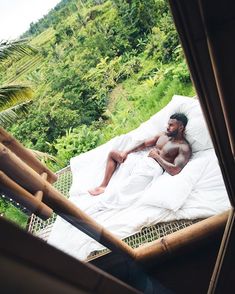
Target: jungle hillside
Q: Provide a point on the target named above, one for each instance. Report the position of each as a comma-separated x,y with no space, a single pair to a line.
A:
98,69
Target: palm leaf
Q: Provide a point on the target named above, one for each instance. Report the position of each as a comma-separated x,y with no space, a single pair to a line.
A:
43,156
9,115
13,94
6,117
14,98
15,49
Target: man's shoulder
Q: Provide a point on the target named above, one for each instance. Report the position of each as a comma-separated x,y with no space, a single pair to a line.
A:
162,134
185,146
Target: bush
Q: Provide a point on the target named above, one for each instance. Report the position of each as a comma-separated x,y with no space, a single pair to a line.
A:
76,141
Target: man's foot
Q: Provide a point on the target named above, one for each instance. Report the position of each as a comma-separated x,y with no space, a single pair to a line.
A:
97,191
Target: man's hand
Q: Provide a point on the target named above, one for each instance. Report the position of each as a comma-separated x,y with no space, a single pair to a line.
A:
121,156
154,153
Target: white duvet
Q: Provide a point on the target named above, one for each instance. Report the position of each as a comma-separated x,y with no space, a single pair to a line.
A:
197,192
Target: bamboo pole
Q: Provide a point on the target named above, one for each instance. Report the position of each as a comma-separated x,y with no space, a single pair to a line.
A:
33,182
22,196
39,194
172,243
26,155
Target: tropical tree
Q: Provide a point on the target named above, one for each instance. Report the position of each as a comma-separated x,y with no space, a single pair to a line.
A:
13,97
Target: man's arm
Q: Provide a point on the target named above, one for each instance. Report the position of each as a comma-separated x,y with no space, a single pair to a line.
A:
147,143
179,163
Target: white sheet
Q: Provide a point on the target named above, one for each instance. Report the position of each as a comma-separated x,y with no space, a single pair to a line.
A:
198,191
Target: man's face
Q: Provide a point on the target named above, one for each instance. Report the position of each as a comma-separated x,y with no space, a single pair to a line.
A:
173,128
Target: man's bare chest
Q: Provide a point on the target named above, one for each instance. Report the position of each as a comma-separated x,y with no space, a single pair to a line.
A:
167,148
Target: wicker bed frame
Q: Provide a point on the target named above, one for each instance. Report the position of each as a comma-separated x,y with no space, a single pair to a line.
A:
42,229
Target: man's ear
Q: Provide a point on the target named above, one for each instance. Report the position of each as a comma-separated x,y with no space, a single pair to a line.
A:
181,127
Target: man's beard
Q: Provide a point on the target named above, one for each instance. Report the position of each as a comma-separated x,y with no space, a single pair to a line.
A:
172,134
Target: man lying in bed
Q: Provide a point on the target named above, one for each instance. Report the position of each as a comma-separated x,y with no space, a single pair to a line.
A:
171,152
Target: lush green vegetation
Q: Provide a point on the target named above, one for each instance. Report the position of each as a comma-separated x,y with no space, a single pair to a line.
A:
13,97
103,67
8,210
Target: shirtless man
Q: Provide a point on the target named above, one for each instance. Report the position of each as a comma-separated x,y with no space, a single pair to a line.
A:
171,151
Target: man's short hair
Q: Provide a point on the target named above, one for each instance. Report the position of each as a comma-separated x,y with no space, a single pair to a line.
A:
180,117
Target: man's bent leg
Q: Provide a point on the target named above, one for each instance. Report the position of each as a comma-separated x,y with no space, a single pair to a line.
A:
112,162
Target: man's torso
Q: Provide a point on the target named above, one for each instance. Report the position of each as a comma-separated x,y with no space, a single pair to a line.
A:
169,148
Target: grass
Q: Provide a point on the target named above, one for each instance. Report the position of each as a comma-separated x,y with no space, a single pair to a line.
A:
17,216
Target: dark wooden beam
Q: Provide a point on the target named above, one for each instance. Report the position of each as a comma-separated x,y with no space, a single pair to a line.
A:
207,33
26,260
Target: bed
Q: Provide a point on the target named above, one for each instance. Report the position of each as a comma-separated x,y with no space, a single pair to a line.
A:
197,192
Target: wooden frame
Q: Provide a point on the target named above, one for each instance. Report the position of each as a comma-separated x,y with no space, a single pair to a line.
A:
29,265
207,32
26,155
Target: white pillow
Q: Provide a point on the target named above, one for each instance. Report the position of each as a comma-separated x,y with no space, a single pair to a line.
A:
196,130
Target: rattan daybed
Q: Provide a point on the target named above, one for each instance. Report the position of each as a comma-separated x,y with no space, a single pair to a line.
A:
42,229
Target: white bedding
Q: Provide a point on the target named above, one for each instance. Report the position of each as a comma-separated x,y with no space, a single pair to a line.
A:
197,192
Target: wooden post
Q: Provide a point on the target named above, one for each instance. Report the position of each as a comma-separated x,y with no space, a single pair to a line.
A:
26,155
179,240
26,177
22,196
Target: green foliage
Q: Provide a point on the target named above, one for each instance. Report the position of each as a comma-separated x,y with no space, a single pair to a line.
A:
13,97
138,102
16,216
4,205
164,40
76,141
179,71
14,50
53,18
10,212
46,122
138,18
